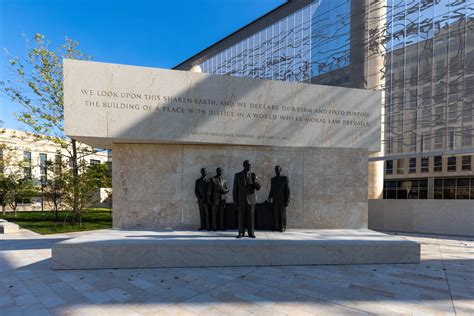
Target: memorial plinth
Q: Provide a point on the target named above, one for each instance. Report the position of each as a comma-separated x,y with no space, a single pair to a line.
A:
171,248
163,126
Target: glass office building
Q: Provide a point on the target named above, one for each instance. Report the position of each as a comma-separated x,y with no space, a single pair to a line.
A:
429,91
296,48
425,65
430,76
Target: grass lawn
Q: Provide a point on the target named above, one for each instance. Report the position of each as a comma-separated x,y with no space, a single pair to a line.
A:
43,222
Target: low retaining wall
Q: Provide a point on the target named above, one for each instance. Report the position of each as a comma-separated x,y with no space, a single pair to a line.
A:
450,217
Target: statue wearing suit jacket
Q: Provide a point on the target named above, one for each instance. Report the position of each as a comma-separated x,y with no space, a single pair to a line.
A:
245,184
200,190
216,194
280,196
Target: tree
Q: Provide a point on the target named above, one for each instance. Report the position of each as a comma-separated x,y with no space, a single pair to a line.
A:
90,179
38,87
21,189
55,185
7,185
11,172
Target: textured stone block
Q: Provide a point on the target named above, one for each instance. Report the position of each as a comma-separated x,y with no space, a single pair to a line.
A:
108,103
181,248
9,228
154,184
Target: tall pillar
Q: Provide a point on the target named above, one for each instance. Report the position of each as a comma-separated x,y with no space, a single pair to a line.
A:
367,68
430,188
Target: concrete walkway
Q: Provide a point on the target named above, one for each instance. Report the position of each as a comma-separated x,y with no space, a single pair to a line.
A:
443,283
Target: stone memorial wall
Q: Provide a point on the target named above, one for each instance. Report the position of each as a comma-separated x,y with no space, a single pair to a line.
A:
164,125
107,103
155,183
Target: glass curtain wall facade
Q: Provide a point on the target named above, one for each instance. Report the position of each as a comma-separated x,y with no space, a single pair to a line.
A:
429,84
429,92
307,43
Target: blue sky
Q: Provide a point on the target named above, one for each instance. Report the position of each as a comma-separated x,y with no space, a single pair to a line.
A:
159,33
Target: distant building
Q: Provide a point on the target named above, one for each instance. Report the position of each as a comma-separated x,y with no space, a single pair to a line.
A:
34,155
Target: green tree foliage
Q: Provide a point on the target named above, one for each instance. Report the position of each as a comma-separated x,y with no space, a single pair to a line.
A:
90,179
38,87
21,189
11,175
55,184
7,185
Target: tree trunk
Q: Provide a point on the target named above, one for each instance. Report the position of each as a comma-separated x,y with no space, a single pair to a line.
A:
56,207
75,183
4,209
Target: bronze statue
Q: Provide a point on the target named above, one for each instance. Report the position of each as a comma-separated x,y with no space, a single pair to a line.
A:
200,190
216,194
280,196
245,184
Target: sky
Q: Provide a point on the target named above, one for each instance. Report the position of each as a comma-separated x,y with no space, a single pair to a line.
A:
151,33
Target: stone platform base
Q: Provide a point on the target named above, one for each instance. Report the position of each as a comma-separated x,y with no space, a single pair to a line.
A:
8,228
172,248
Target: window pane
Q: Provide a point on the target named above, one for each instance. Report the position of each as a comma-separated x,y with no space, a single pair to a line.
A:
389,167
424,164
412,165
466,163
400,166
449,191
451,163
438,164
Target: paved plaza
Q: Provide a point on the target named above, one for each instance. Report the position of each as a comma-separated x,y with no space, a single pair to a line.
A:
443,283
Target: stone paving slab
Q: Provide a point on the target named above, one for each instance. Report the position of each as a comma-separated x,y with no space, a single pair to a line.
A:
182,248
441,284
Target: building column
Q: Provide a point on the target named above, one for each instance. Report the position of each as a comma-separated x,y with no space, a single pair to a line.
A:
376,169
367,65
430,188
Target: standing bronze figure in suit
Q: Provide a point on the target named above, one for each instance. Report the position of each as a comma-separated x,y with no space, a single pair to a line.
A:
245,184
216,194
200,190
280,196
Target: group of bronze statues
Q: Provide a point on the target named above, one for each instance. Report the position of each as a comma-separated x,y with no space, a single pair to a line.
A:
211,194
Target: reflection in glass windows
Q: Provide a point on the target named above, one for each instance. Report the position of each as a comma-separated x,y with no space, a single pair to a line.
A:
405,189
310,42
466,163
424,164
43,167
438,189
389,167
454,188
412,165
438,164
400,166
462,189
444,188
449,189
429,67
281,51
451,164
27,164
